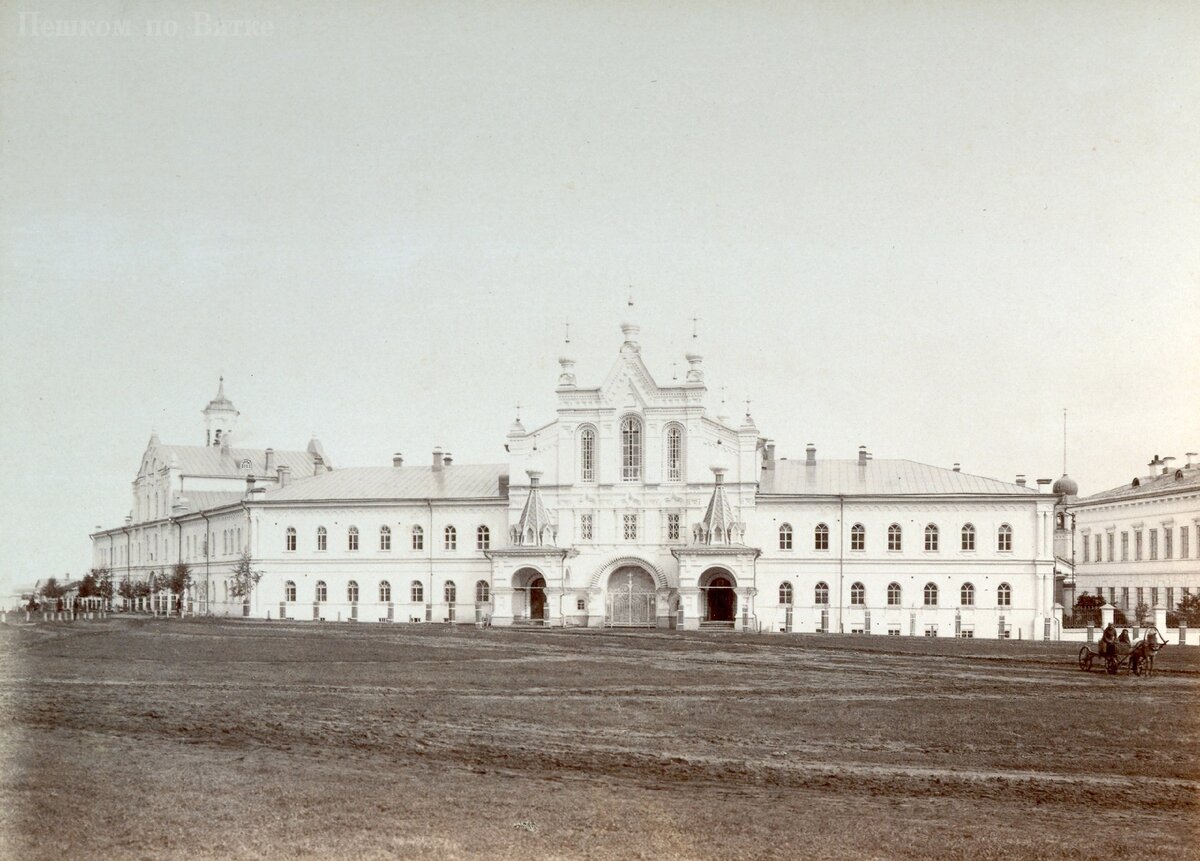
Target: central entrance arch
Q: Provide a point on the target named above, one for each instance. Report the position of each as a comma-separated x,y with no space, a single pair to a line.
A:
718,598
631,598
529,596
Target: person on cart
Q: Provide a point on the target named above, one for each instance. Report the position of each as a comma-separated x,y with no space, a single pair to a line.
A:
1124,638
1108,642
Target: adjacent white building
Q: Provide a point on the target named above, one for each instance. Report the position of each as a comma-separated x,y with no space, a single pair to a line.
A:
633,505
1138,543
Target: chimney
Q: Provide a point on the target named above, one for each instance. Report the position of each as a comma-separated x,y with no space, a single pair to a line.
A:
769,455
284,474
1166,462
128,519
1191,463
958,467
862,455
446,459
810,452
1043,482
270,464
397,459
225,442
870,456
503,489
1021,479
249,485
437,459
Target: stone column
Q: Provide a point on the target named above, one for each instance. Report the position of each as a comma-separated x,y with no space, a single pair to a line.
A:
1106,615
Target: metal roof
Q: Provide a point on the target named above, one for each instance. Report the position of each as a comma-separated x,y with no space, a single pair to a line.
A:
206,500
465,481
210,460
879,478
1150,485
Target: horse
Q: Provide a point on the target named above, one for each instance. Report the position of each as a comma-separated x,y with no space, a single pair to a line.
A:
1141,658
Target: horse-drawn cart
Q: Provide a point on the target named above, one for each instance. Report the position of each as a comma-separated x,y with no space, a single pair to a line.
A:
1138,658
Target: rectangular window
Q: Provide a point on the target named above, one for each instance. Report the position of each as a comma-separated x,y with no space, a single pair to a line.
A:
1153,596
1141,597
1112,595
1112,543
1087,549
1125,597
580,604
672,527
1137,545
1183,542
585,527
1170,599
1099,549
1168,543
931,630
1124,546
893,632
1153,543
630,523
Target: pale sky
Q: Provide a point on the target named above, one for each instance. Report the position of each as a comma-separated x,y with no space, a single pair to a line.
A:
923,227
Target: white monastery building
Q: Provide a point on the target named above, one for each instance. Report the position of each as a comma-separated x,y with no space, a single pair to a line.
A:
632,506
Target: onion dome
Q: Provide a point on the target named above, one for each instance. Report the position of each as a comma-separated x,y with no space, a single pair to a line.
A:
1065,486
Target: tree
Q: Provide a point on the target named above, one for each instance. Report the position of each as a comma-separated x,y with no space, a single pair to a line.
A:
53,590
88,586
245,577
141,589
127,591
1189,609
178,582
1142,612
1088,602
104,583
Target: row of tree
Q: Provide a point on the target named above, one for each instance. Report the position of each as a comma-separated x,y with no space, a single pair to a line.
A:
98,582
1187,610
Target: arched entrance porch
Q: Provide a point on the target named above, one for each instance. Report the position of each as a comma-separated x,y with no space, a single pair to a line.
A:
630,598
718,598
529,596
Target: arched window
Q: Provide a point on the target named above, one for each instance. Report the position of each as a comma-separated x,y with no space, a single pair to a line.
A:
821,593
418,539
966,595
322,538
483,538
1004,595
587,454
482,592
1004,539
289,591
322,592
385,538
785,537
930,594
451,538
385,592
418,592
674,453
785,593
858,594
968,537
352,538
631,449
821,537
450,592
352,591
858,537
931,537
894,536
893,594
289,539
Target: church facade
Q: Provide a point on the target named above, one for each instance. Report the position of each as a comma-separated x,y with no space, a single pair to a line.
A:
634,506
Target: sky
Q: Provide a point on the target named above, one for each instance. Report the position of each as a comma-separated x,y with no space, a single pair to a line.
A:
924,227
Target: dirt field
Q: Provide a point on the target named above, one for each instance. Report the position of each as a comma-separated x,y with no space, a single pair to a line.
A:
143,739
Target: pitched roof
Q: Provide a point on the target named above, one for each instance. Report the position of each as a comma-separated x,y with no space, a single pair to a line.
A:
206,500
475,481
1150,485
210,460
879,478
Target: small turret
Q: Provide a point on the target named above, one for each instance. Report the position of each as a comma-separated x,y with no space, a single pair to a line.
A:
220,417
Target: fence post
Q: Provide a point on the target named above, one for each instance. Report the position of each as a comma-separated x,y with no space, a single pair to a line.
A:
1091,633
1182,632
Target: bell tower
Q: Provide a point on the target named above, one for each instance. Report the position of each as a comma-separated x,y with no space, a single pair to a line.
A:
219,418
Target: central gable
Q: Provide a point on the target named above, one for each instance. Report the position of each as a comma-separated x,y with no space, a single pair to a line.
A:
629,385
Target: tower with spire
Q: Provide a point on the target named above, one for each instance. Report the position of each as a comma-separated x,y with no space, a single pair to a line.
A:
220,418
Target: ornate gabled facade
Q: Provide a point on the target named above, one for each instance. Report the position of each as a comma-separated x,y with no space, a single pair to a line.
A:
633,506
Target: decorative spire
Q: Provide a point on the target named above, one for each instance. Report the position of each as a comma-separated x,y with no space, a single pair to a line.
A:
719,525
534,528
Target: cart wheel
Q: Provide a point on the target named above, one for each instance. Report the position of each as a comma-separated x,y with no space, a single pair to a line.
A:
1085,659
1112,665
